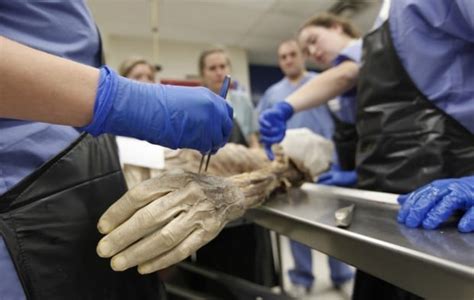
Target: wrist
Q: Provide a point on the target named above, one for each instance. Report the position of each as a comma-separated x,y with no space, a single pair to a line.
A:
105,94
286,109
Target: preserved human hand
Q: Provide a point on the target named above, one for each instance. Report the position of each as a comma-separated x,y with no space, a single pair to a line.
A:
434,203
171,116
167,218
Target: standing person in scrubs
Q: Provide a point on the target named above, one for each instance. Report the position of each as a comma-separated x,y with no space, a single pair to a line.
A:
56,182
214,64
414,121
138,68
328,40
242,249
319,120
415,107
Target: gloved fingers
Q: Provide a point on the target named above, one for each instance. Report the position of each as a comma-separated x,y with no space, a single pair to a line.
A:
226,114
227,128
267,119
269,131
412,198
329,181
134,199
273,139
154,244
268,151
324,177
230,110
145,220
420,208
466,224
442,211
193,242
402,198
349,178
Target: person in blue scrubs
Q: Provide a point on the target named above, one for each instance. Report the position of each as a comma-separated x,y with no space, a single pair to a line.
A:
328,40
56,182
319,120
333,42
415,107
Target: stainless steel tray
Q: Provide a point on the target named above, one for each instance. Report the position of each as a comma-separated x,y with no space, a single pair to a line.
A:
435,264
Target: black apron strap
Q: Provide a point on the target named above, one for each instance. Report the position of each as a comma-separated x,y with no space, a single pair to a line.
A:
345,140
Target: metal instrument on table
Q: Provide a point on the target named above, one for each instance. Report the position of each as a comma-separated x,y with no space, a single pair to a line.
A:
223,93
344,215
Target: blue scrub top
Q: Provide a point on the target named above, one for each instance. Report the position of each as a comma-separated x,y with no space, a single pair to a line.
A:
435,43
316,119
62,28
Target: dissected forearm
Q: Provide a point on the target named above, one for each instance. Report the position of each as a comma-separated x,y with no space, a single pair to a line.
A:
38,86
325,87
257,185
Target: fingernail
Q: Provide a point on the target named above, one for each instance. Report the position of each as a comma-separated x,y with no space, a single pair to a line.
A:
144,270
428,224
103,227
103,249
119,263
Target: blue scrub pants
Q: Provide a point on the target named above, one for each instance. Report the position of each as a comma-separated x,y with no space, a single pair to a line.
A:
10,286
302,273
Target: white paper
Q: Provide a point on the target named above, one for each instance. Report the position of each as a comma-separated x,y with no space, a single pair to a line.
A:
140,153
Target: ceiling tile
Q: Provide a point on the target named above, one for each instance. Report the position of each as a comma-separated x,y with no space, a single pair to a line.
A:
302,8
256,25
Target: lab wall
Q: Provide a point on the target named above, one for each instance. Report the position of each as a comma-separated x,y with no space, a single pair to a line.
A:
178,59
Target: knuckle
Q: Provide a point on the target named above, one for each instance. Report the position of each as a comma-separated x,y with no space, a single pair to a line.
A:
167,237
145,217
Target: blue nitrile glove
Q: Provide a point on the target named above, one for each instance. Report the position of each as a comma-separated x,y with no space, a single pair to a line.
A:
171,116
434,203
338,177
273,125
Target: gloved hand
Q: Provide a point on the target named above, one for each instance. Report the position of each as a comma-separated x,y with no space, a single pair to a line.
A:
171,116
338,177
434,203
273,125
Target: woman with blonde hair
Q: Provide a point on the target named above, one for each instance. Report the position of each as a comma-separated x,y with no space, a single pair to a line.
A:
138,68
214,64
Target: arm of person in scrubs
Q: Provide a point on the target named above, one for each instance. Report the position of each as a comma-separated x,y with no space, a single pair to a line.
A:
33,81
315,92
326,86
37,86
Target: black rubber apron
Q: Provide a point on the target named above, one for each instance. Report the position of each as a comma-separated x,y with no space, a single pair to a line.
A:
49,222
404,140
345,141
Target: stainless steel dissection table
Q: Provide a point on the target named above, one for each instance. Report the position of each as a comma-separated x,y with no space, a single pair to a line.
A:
435,264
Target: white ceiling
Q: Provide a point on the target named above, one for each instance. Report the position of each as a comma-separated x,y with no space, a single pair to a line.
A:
255,25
